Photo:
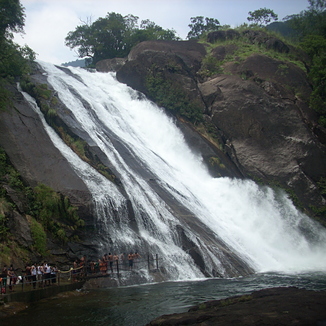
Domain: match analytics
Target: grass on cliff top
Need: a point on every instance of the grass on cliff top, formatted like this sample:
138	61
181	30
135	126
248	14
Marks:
245	48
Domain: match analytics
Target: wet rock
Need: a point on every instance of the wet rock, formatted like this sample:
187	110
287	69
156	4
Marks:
276	306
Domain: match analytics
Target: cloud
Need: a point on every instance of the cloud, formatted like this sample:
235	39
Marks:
45	30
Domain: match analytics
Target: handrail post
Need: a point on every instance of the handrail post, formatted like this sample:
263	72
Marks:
156	261
148	262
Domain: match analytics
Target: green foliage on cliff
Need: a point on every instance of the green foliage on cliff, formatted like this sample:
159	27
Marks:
54	212
310	30
171	96
114	36
39	237
50	212
242	47
3	227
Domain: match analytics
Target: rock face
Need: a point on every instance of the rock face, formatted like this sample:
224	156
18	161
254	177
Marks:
33	154
257	105
110	64
276	306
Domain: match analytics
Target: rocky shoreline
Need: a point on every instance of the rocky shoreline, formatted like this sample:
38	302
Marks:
275	306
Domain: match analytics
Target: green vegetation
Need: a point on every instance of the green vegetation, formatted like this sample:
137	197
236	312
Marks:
309	28
49	213
54	212
200	26
243	47
3	227
15	61
262	16
216	162
172	97
114	36
39	237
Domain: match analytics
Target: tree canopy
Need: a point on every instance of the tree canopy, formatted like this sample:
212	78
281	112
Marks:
114	36
14	60
12	17
262	16
311	21
199	25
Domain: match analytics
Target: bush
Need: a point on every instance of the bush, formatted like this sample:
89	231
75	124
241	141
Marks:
3	227
172	97
38	236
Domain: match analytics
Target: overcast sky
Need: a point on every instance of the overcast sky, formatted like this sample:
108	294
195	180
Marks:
49	21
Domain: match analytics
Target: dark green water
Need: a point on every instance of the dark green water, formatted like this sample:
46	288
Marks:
137	305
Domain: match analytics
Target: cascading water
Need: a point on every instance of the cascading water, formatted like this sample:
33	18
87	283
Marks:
230	225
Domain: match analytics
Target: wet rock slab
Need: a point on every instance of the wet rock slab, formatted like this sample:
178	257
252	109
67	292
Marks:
276	306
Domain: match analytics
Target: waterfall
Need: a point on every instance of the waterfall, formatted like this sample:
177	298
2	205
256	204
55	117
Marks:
199	225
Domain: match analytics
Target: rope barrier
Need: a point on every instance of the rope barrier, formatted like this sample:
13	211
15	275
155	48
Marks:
71	269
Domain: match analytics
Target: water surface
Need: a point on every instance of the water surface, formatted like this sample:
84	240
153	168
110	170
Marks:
138	305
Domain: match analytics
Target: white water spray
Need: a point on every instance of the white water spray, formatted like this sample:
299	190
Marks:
261	226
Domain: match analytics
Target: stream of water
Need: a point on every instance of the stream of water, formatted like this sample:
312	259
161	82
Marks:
138	305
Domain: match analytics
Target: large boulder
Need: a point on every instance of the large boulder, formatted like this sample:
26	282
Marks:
267	135
177	62
110	64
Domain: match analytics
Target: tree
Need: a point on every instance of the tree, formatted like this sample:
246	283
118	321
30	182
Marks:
311	21
14	60
113	36
310	28
12	17
262	16
199	26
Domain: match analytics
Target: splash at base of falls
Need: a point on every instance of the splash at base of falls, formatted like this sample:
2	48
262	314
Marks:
168	204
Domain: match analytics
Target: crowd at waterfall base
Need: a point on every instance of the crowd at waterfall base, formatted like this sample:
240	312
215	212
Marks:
111	263
36	276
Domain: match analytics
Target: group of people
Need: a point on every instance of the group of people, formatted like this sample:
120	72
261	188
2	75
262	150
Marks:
42	274
107	263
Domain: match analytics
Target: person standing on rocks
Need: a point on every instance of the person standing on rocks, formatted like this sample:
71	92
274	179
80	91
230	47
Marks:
12	278
131	260
111	262
33	275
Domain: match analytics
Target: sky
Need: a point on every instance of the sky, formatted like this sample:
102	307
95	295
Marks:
48	22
